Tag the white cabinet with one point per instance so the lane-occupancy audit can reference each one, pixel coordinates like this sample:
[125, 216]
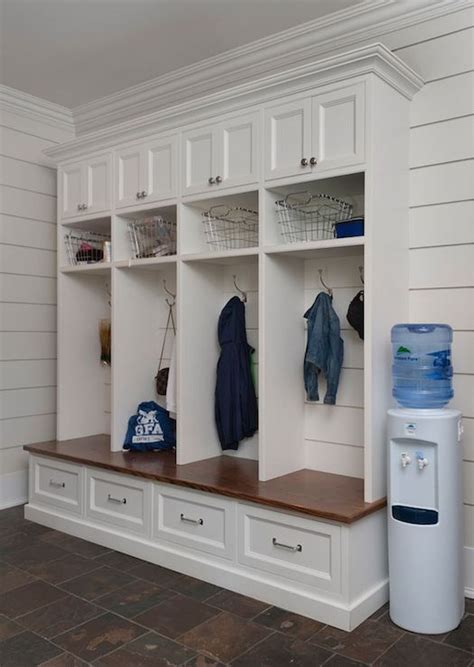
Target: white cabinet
[119, 500]
[146, 172]
[85, 187]
[307, 551]
[56, 483]
[315, 134]
[221, 156]
[194, 520]
[287, 138]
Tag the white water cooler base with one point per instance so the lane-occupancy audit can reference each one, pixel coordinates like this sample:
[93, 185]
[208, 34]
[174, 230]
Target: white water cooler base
[425, 520]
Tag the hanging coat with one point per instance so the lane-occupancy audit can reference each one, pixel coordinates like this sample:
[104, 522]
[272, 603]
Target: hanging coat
[324, 349]
[236, 410]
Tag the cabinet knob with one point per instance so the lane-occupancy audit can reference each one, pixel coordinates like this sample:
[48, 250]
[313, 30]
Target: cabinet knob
[79, 207]
[84, 206]
[313, 161]
[211, 181]
[138, 195]
[218, 179]
[304, 162]
[143, 194]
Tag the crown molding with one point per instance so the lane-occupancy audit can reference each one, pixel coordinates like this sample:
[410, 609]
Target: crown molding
[342, 30]
[36, 108]
[373, 59]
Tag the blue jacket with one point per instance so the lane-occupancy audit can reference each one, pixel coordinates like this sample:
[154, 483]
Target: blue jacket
[235, 399]
[324, 349]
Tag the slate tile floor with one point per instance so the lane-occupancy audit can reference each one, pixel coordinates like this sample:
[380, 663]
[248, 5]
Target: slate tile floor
[65, 602]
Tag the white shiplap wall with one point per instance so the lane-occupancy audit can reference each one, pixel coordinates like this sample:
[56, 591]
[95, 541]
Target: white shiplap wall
[442, 208]
[27, 294]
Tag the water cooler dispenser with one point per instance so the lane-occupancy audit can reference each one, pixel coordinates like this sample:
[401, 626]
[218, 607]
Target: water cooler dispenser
[425, 520]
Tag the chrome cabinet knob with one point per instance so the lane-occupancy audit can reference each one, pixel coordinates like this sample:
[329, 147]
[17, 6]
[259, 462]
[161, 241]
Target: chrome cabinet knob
[79, 207]
[211, 181]
[138, 195]
[84, 206]
[304, 162]
[218, 179]
[143, 194]
[313, 161]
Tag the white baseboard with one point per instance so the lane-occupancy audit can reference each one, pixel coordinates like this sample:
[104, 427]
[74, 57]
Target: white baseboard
[13, 488]
[469, 572]
[240, 579]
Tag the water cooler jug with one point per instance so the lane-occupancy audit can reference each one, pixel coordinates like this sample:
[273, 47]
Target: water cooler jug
[425, 523]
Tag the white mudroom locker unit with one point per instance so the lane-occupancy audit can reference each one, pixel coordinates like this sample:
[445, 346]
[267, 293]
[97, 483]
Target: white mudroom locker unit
[296, 517]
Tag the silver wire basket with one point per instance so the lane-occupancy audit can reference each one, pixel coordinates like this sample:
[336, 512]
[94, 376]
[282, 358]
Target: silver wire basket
[228, 228]
[306, 217]
[152, 237]
[86, 247]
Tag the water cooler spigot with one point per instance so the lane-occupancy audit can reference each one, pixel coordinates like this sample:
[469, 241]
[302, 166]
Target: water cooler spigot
[421, 461]
[405, 459]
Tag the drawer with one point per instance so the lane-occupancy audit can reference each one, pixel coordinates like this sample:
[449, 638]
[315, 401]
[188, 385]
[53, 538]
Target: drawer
[119, 500]
[56, 483]
[196, 520]
[295, 548]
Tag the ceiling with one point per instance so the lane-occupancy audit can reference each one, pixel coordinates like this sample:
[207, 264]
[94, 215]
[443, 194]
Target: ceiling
[74, 51]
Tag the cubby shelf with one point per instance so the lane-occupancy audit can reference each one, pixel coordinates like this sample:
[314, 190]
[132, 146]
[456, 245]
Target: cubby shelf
[304, 248]
[148, 263]
[98, 269]
[221, 256]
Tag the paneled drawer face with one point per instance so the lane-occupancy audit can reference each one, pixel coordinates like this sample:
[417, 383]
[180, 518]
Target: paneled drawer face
[194, 520]
[56, 483]
[295, 548]
[119, 500]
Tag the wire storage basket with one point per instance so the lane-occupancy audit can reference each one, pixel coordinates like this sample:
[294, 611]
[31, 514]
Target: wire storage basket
[307, 217]
[84, 247]
[229, 228]
[152, 237]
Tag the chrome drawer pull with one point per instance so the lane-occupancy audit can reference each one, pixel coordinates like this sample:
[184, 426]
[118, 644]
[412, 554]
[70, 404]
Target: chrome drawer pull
[198, 522]
[288, 547]
[58, 485]
[119, 501]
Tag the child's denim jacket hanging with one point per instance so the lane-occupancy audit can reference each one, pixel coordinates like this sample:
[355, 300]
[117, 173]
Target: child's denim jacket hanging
[324, 349]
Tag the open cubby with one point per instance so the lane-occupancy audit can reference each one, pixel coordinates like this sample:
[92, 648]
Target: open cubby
[205, 288]
[348, 188]
[122, 247]
[139, 325]
[193, 236]
[84, 383]
[100, 227]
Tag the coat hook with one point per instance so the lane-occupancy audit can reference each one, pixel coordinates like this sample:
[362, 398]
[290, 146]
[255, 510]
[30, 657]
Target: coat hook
[361, 274]
[173, 296]
[241, 292]
[326, 287]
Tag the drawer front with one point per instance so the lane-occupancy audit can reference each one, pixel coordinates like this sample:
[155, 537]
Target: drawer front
[295, 548]
[56, 483]
[195, 520]
[119, 500]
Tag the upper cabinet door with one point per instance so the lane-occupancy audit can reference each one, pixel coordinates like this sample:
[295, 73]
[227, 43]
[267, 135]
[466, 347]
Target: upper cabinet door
[98, 177]
[73, 190]
[160, 162]
[238, 151]
[338, 128]
[287, 139]
[129, 176]
[199, 160]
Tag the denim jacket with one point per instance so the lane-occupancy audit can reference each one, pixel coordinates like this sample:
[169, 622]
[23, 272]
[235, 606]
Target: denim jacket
[324, 349]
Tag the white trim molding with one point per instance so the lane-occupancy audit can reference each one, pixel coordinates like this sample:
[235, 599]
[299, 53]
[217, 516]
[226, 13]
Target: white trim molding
[35, 108]
[373, 59]
[342, 30]
[13, 488]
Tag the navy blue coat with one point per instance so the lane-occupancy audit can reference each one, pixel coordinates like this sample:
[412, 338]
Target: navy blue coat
[236, 409]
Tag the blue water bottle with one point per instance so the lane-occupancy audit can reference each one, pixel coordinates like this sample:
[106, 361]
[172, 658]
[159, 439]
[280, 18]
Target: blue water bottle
[422, 371]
